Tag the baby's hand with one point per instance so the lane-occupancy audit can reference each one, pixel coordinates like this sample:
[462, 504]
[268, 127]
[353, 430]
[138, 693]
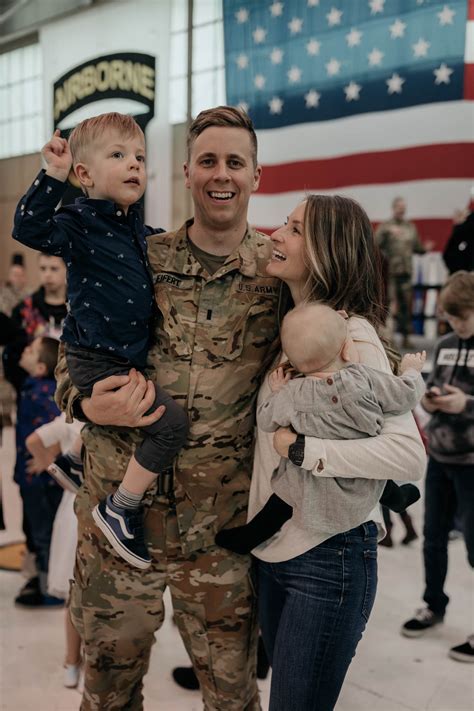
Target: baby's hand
[57, 156]
[278, 379]
[413, 360]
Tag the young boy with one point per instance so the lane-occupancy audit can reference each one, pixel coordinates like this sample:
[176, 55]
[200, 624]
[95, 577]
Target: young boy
[42, 444]
[40, 494]
[102, 240]
[338, 398]
[449, 487]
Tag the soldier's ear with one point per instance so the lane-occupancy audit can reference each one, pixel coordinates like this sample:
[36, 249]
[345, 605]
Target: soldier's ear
[256, 177]
[187, 183]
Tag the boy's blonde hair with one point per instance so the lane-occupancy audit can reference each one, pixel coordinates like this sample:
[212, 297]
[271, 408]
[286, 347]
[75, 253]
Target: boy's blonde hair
[457, 295]
[90, 130]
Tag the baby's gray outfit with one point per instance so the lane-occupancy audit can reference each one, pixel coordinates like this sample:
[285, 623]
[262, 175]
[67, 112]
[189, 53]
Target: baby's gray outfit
[348, 404]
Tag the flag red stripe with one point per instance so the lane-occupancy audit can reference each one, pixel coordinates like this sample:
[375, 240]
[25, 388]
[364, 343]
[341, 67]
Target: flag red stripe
[469, 81]
[470, 10]
[451, 160]
[435, 230]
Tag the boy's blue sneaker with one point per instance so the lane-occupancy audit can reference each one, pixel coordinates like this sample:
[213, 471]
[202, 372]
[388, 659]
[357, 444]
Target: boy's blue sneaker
[124, 530]
[67, 473]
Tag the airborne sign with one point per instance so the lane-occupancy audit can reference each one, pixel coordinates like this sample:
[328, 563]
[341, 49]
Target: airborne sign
[126, 76]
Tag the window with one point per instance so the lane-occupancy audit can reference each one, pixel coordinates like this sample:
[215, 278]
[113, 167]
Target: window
[21, 101]
[208, 79]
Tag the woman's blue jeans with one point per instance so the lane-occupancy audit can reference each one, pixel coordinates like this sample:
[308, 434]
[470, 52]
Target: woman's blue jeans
[313, 610]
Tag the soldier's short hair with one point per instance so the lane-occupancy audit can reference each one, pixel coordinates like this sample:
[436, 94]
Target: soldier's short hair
[91, 129]
[457, 295]
[225, 116]
[398, 198]
[48, 354]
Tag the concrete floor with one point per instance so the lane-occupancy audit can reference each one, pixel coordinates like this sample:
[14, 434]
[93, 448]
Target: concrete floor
[389, 672]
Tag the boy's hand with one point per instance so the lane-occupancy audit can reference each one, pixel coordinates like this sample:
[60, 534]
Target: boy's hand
[413, 360]
[57, 156]
[452, 401]
[34, 466]
[277, 380]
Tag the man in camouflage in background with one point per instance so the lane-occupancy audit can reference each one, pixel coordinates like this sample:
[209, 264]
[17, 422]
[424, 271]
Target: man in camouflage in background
[398, 240]
[215, 337]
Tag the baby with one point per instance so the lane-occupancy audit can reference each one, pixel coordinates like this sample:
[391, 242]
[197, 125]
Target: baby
[339, 398]
[102, 239]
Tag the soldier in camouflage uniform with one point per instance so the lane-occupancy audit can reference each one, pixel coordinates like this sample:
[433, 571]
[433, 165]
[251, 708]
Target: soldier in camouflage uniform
[216, 335]
[398, 240]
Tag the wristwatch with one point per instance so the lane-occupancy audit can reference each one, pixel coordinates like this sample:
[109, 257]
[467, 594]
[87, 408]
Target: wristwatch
[296, 451]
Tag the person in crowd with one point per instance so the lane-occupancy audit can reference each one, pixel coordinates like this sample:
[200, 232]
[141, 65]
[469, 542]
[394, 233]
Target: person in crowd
[458, 253]
[338, 398]
[449, 489]
[317, 588]
[398, 240]
[11, 292]
[407, 522]
[15, 289]
[40, 494]
[107, 330]
[42, 445]
[215, 336]
[41, 313]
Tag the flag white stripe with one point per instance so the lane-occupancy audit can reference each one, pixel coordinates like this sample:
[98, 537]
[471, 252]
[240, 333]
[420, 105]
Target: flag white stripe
[469, 55]
[429, 199]
[448, 122]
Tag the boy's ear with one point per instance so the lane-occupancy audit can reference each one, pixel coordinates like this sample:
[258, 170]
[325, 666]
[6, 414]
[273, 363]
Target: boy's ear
[41, 370]
[83, 175]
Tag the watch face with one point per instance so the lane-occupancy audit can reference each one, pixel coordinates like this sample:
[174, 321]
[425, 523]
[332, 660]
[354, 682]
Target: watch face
[296, 453]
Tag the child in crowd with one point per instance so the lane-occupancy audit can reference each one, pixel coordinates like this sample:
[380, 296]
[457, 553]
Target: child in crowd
[102, 239]
[338, 398]
[449, 489]
[42, 444]
[40, 494]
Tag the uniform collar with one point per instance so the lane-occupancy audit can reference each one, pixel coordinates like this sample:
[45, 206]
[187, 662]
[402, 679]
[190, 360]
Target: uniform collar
[244, 258]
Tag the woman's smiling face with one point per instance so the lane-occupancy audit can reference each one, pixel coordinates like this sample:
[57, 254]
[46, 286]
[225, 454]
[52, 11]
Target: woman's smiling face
[288, 257]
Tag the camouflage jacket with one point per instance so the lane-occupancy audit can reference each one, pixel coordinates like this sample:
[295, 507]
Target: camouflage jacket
[398, 240]
[214, 339]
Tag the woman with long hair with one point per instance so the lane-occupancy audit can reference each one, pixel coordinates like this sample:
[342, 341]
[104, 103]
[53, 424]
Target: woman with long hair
[317, 588]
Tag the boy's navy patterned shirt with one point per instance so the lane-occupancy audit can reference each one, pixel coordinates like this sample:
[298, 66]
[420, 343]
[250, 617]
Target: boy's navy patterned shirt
[110, 286]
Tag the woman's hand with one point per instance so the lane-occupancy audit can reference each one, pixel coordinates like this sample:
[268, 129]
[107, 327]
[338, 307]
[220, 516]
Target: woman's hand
[282, 440]
[122, 400]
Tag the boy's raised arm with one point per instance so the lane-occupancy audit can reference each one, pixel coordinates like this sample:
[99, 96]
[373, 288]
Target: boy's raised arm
[35, 224]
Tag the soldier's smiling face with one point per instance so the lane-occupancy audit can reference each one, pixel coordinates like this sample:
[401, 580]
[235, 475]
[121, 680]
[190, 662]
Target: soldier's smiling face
[222, 175]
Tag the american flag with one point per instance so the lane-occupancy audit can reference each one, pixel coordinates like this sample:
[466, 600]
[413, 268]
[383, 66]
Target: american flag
[371, 99]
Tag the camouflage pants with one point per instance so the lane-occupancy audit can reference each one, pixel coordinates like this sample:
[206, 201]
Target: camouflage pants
[400, 293]
[117, 610]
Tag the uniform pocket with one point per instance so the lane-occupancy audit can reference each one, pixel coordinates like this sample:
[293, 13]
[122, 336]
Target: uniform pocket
[171, 330]
[232, 348]
[196, 641]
